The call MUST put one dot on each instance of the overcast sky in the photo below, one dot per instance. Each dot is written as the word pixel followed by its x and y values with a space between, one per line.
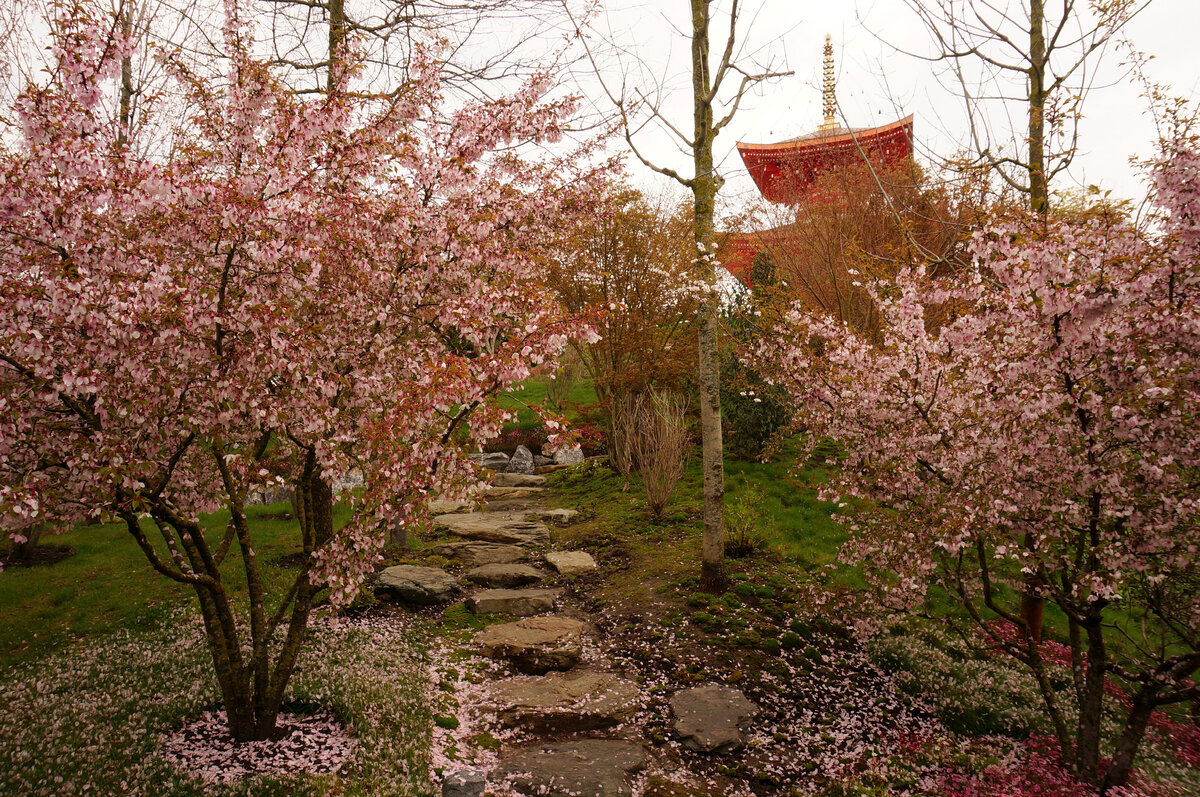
pixel 876 85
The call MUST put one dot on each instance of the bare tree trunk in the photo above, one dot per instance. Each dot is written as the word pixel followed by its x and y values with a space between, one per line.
pixel 23 551
pixel 704 189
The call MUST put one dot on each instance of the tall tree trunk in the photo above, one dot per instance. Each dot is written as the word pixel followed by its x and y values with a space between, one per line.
pixel 337 40
pixel 704 190
pixel 1039 202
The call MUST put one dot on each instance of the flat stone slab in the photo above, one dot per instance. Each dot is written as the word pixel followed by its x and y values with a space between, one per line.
pixel 511 528
pixel 568 562
pixel 518 480
pixel 560 516
pixel 710 719
pixel 440 507
pixel 536 645
pixel 505 575
pixel 497 460
pixel 473 553
pixel 425 586
pixel 508 493
pixel 573 701
pixel 591 767
pixel 519 602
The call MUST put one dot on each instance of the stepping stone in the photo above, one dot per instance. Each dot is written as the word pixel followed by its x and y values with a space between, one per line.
pixel 568 562
pixel 473 553
pixel 439 507
pixel 536 645
pixel 591 767
pixel 503 493
pixel 561 516
pixel 506 527
pixel 424 586
pixel 573 701
pixel 465 783
pixel 519 602
pixel 710 719
pixel 518 480
pixel 504 575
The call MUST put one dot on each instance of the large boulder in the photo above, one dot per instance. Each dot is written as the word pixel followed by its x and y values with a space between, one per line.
pixel 710 719
pixel 518 480
pixel 504 575
pixel 570 562
pixel 506 527
pixel 424 586
pixel 517 602
pixel 473 553
pixel 521 462
pixel 591 767
pixel 573 701
pixel 495 460
pixel 536 645
pixel 568 456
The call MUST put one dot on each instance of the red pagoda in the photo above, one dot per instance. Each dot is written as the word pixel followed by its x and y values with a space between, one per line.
pixel 785 172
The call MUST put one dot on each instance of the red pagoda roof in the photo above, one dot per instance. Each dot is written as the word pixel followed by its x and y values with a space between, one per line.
pixel 785 171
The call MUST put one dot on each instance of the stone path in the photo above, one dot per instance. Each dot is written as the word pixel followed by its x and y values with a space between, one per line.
pixel 577 733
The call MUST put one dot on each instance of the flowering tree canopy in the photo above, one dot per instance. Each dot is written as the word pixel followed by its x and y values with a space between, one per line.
pixel 1043 431
pixel 298 289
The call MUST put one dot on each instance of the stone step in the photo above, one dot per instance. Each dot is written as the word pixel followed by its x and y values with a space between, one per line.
pixel 518 602
pixel 423 586
pixel 570 562
pixel 504 575
pixel 711 719
pixel 573 701
pixel 506 527
pixel 518 480
pixel 473 553
pixel 512 493
pixel 591 767
pixel 536 645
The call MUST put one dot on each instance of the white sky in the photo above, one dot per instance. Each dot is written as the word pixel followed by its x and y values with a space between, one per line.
pixel 877 85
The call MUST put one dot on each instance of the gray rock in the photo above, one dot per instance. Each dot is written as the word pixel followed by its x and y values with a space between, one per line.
pixel 573 701
pixel 569 562
pixel 560 516
pixel 505 527
pixel 421 585
pixel 271 494
pixel 539 460
pixel 568 456
pixel 536 645
pixel 518 480
pixel 495 460
pixel 521 462
pixel 518 602
pixel 591 767
pixel 473 553
pixel 464 783
pixel 710 719
pixel 504 575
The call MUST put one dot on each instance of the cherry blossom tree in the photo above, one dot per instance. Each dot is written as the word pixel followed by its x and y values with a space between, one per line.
pixel 301 289
pixel 1045 425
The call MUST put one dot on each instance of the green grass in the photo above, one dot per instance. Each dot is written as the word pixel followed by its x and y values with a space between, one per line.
pixel 533 393
pixel 109 585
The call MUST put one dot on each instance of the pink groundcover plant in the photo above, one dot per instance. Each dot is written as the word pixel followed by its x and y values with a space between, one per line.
pixel 1030 426
pixel 297 289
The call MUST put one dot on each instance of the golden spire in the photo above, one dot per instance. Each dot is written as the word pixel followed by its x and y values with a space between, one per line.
pixel 827 95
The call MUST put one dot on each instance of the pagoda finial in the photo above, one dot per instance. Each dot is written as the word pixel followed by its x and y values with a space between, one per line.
pixel 827 94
